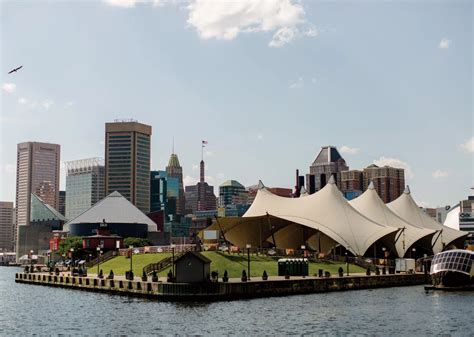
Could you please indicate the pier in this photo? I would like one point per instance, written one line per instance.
(214, 291)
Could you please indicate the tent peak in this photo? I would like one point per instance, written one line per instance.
(371, 186)
(260, 185)
(407, 190)
(332, 180)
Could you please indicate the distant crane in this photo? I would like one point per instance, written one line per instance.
(15, 70)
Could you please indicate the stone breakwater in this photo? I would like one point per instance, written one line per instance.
(220, 290)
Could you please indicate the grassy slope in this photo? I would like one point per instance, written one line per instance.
(220, 262)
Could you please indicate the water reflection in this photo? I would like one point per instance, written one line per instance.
(30, 309)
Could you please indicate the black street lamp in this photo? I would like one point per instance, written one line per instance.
(172, 252)
(131, 261)
(413, 252)
(98, 259)
(248, 246)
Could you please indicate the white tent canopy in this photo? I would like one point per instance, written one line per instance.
(114, 208)
(326, 211)
(406, 208)
(370, 204)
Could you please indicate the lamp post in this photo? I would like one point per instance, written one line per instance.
(248, 246)
(31, 261)
(172, 252)
(98, 259)
(347, 265)
(72, 257)
(384, 262)
(131, 262)
(413, 252)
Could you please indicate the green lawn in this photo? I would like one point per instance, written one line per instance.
(233, 263)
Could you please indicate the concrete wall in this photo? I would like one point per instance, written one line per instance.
(222, 291)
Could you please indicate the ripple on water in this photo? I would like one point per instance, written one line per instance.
(28, 309)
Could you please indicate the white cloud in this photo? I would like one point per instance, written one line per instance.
(189, 181)
(438, 174)
(283, 36)
(22, 100)
(349, 150)
(220, 175)
(9, 87)
(69, 104)
(467, 146)
(311, 32)
(225, 20)
(444, 43)
(122, 3)
(260, 136)
(394, 162)
(47, 103)
(299, 83)
(209, 153)
(313, 80)
(195, 167)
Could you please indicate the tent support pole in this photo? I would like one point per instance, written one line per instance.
(222, 231)
(439, 234)
(271, 230)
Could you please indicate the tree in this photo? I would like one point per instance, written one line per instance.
(136, 242)
(66, 244)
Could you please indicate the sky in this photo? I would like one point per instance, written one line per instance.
(266, 83)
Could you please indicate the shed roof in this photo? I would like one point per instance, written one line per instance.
(195, 254)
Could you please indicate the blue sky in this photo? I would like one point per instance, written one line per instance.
(266, 83)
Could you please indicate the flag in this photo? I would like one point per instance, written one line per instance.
(204, 142)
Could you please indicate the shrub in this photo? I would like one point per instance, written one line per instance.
(265, 275)
(244, 276)
(154, 276)
(368, 271)
(225, 278)
(111, 275)
(144, 277)
(101, 274)
(340, 271)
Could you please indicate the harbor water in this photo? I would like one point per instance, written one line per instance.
(30, 309)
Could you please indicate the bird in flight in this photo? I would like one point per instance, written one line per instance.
(16, 69)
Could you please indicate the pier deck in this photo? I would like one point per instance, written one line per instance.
(234, 289)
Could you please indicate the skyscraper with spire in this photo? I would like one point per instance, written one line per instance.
(174, 170)
(201, 197)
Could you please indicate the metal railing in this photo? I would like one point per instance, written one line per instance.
(158, 249)
(104, 257)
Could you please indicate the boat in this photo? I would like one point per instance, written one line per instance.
(453, 270)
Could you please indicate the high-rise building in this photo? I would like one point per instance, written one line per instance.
(389, 182)
(200, 197)
(231, 192)
(37, 172)
(85, 185)
(62, 202)
(352, 183)
(127, 161)
(7, 226)
(174, 170)
(327, 163)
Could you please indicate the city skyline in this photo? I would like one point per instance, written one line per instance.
(263, 98)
